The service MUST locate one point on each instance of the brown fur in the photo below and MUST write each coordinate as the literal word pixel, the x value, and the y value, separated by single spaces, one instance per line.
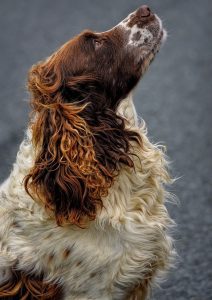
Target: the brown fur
pixel 80 142
pixel 28 287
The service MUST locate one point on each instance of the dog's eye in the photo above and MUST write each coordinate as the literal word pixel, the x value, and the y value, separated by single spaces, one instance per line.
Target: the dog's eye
pixel 97 43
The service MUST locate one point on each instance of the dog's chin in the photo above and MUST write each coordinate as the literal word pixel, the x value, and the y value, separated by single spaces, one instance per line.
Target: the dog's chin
pixel 148 58
pixel 162 36
pixel 160 41
pixel 145 56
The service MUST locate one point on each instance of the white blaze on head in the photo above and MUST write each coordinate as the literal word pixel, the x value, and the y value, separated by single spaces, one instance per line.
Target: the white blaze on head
pixel 137 36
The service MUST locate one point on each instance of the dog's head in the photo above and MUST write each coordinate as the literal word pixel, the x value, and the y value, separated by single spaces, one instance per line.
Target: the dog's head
pixel 80 142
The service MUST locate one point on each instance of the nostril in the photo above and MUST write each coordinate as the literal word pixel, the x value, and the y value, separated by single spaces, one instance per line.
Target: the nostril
pixel 144 11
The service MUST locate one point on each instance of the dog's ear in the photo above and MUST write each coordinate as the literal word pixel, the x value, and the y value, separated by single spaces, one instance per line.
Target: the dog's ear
pixel 66 175
pixel 79 140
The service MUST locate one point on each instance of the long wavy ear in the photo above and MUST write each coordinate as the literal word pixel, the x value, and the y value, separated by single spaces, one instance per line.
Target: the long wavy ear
pixel 66 175
pixel 79 145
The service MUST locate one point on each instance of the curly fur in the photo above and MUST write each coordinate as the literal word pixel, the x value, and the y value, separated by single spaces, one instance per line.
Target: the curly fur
pixel 82 214
pixel 129 244
pixel 72 170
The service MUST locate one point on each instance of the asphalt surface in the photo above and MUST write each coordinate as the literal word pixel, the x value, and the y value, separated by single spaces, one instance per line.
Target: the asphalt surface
pixel 174 98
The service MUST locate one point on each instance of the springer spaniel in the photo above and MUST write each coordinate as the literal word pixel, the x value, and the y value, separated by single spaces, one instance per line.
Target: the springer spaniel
pixel 82 214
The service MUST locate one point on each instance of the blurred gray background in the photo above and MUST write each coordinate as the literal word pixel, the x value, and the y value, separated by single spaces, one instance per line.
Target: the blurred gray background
pixel 174 98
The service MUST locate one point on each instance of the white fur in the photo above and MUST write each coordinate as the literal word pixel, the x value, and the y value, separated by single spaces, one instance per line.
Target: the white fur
pixel 127 242
pixel 145 34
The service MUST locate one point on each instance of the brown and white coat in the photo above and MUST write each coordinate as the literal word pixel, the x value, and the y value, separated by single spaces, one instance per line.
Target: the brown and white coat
pixel 82 214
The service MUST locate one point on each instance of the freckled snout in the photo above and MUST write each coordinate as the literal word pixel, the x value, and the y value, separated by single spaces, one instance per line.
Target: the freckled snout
pixel 143 32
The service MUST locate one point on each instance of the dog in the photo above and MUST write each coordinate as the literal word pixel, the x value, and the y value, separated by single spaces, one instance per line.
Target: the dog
pixel 82 214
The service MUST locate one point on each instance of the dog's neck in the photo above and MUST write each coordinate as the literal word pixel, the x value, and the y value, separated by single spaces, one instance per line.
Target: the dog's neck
pixel 127 110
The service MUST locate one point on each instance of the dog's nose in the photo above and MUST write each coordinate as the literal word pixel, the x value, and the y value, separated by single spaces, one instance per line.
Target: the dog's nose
pixel 144 11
